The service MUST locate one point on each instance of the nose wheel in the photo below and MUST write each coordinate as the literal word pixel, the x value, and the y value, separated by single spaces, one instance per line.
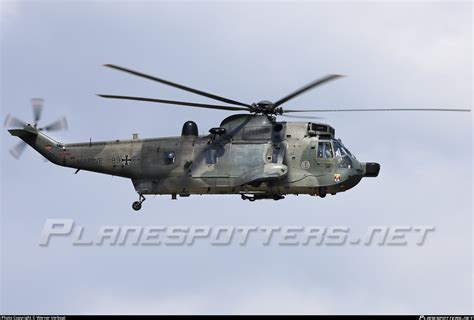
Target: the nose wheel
pixel 137 205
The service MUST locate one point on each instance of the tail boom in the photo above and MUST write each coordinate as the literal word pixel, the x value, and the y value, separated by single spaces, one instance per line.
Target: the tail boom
pixel 85 156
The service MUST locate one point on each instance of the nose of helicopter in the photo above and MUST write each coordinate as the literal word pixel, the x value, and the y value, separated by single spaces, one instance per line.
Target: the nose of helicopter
pixel 370 169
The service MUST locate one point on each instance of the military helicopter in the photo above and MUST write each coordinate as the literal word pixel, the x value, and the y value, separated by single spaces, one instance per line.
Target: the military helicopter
pixel 250 154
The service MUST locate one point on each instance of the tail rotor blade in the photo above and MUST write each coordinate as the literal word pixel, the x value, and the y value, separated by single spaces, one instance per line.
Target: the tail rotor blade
pixel 11 121
pixel 18 149
pixel 37 104
pixel 57 125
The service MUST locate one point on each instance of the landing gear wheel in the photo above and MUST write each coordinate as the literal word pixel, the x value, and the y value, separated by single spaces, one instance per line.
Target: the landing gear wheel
pixel 249 198
pixel 322 192
pixel 137 205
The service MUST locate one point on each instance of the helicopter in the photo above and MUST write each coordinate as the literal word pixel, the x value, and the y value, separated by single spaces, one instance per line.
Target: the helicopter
pixel 251 153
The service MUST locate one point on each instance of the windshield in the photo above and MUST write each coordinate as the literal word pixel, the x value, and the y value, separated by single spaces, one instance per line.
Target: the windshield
pixel 343 156
pixel 342 147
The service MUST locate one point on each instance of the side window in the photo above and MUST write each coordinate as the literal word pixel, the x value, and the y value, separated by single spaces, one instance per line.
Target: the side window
pixel 325 150
pixel 169 157
pixel 211 156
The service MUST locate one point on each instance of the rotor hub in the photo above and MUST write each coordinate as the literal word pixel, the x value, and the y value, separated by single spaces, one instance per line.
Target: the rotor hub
pixel 264 107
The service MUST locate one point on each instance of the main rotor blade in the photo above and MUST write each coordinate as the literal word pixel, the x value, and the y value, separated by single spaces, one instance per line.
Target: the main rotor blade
pixel 180 103
pixel 179 86
pixel 57 125
pixel 11 121
pixel 301 117
pixel 18 149
pixel 306 88
pixel 37 104
pixel 379 109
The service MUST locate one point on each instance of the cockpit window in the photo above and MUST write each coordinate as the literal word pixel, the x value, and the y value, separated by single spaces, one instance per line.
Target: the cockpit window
pixel 338 144
pixel 325 150
pixel 347 151
pixel 338 149
pixel 343 156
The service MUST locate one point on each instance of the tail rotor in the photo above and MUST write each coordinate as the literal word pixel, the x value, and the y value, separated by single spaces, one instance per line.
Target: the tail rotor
pixel 13 122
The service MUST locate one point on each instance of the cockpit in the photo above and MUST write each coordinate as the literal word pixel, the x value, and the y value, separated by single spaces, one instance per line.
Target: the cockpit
pixel 332 148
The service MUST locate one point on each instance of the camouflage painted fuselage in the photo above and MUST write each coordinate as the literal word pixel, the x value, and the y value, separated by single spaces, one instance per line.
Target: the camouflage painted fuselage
pixel 255 155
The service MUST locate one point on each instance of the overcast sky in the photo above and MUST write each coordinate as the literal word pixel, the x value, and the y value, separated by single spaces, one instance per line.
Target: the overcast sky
pixel 395 55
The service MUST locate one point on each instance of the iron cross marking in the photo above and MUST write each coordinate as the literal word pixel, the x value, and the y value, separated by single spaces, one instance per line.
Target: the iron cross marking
pixel 126 160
